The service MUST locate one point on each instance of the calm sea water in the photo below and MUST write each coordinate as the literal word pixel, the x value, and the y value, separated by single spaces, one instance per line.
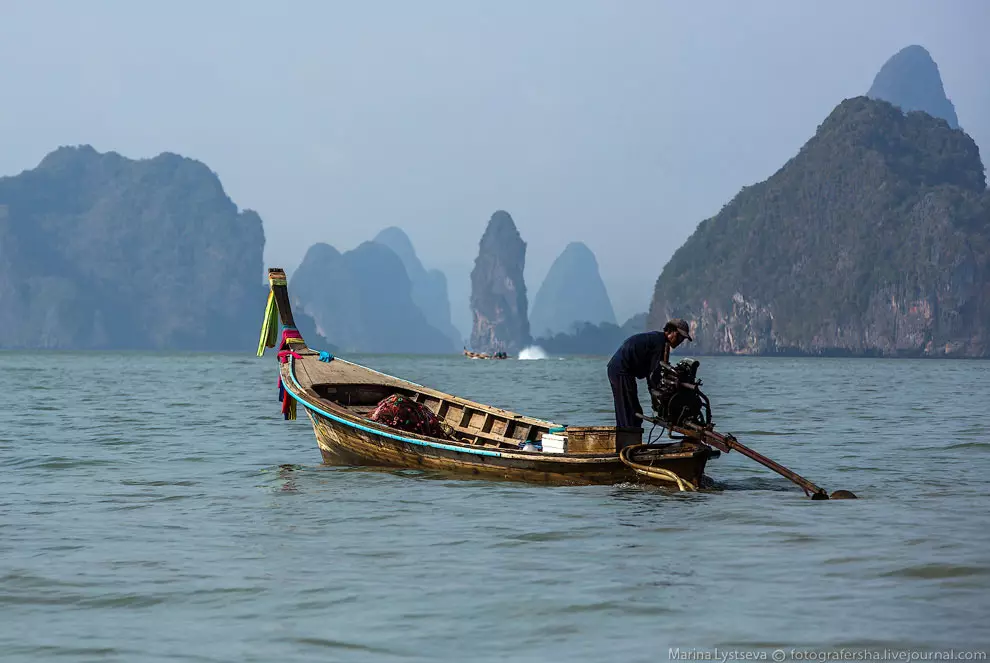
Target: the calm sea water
pixel 157 508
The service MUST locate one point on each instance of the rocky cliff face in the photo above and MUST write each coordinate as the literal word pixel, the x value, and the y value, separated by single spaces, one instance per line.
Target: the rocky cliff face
pixel 571 293
pixel 361 301
pixel 100 251
pixel 498 291
pixel 873 240
pixel 429 288
pixel 911 81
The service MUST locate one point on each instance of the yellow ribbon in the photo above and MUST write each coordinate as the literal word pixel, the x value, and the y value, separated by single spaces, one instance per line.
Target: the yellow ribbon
pixel 269 326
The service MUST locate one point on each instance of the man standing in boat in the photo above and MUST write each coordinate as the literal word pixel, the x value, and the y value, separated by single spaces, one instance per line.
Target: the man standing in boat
pixel 637 358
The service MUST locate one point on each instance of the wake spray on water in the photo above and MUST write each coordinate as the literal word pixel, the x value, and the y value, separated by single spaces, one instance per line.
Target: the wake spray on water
pixel 532 352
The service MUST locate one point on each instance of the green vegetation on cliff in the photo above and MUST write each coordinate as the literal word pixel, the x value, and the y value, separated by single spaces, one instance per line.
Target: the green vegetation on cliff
pixel 101 251
pixel 874 239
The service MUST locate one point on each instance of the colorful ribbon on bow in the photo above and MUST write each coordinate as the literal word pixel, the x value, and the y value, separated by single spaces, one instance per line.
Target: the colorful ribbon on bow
pixel 288 402
pixel 290 337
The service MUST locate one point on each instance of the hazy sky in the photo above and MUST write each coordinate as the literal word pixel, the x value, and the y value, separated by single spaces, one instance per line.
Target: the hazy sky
pixel 620 124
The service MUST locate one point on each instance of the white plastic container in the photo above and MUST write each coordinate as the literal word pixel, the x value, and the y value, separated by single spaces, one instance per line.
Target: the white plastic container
pixel 554 444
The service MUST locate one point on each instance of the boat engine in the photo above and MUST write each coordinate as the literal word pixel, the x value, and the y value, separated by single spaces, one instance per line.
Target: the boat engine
pixel 676 395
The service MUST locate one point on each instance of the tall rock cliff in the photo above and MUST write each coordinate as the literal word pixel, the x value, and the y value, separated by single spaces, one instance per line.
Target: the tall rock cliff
pixel 361 301
pixel 429 288
pixel 571 293
pixel 498 291
pixel 911 81
pixel 873 240
pixel 101 251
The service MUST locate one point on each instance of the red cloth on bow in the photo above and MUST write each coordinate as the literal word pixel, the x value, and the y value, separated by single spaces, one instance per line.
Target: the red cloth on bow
pixel 283 349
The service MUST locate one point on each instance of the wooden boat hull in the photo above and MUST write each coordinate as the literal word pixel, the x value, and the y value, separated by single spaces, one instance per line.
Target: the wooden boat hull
pixel 339 396
pixel 341 444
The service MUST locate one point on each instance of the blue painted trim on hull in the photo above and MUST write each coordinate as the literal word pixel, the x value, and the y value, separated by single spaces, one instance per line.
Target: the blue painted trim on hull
pixel 407 440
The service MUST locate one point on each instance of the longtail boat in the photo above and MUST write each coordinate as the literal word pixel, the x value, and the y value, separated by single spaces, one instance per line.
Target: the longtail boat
pixel 481 355
pixel 339 398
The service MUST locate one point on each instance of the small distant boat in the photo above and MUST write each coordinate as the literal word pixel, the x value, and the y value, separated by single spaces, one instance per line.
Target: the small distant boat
pixel 340 397
pixel 482 355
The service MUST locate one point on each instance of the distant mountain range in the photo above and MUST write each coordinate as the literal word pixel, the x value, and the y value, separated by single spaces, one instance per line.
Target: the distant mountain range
pixel 429 287
pixel 362 300
pixel 873 240
pixel 98 251
pixel 569 307
pixel 101 251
